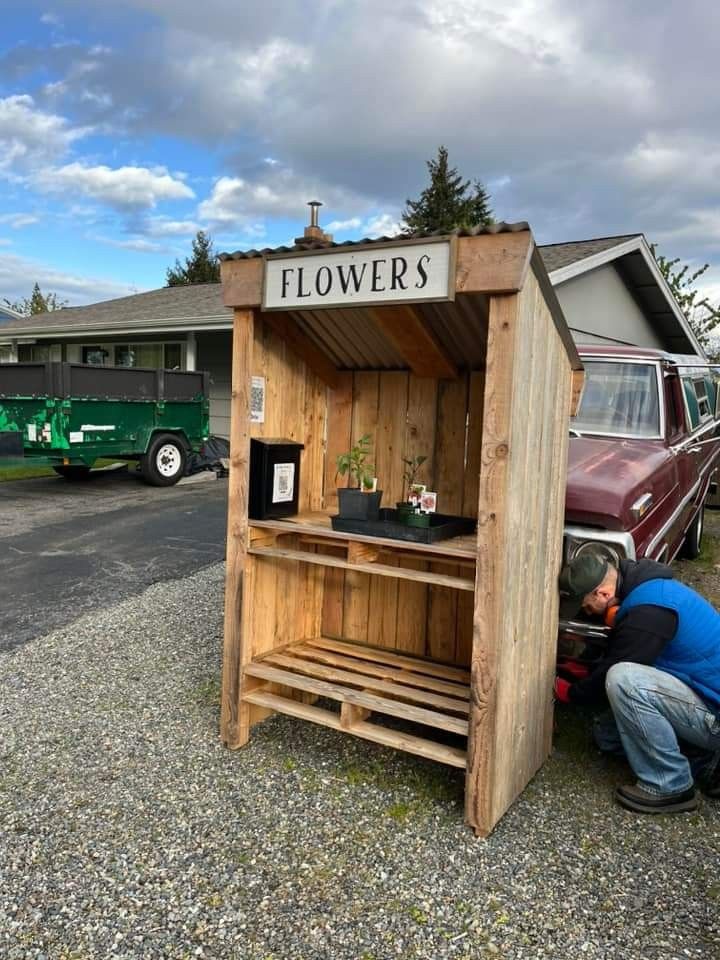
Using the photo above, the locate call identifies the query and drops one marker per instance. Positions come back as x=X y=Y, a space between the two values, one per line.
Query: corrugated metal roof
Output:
x=492 y=228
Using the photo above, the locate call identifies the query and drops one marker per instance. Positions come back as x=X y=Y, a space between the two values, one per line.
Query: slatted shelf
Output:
x=366 y=681
x=377 y=569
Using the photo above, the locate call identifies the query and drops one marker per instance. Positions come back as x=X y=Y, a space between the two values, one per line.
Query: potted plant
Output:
x=361 y=500
x=411 y=467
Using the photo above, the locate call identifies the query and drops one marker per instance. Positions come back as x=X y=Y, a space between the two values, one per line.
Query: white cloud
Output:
x=676 y=159
x=383 y=225
x=18 y=274
x=122 y=187
x=51 y=19
x=29 y=136
x=165 y=227
x=18 y=220
x=246 y=76
x=138 y=244
x=344 y=226
x=279 y=193
x=4 y=242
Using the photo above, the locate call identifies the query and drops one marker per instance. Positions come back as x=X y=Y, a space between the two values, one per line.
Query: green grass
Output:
x=32 y=473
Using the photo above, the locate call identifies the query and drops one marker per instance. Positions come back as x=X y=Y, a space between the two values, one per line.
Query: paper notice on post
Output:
x=257 y=400
x=283 y=482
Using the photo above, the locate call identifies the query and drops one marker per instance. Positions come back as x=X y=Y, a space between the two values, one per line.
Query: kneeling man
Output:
x=661 y=674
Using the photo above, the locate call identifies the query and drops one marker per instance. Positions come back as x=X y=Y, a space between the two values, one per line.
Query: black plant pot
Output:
x=353 y=504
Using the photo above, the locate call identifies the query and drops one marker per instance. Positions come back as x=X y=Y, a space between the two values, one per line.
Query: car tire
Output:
x=73 y=472
x=692 y=544
x=164 y=463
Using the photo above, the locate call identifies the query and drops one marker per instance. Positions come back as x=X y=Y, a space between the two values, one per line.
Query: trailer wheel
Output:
x=73 y=472
x=164 y=462
x=692 y=544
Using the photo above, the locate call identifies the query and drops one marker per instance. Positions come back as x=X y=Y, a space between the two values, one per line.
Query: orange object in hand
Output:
x=610 y=614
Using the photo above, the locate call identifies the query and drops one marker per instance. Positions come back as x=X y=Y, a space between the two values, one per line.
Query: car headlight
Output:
x=608 y=544
x=603 y=550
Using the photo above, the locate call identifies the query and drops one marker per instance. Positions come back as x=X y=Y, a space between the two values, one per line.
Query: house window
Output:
x=98 y=356
x=139 y=355
x=6 y=354
x=169 y=355
x=33 y=353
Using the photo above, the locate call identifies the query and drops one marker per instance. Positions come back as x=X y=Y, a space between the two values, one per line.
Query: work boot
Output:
x=636 y=798
x=708 y=779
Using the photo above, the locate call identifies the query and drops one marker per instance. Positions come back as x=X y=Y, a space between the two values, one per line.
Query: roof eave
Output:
x=634 y=244
x=169 y=325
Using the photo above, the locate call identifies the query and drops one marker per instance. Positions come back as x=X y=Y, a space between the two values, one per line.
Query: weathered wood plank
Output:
x=377 y=569
x=367 y=681
x=389 y=447
x=384 y=671
x=366 y=387
x=359 y=698
x=233 y=726
x=449 y=471
x=488 y=626
x=415 y=664
x=411 y=337
x=493 y=263
x=366 y=731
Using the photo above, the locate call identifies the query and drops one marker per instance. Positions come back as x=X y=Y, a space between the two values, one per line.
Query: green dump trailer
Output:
x=68 y=415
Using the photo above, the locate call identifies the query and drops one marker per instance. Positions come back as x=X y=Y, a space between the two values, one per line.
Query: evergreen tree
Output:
x=37 y=302
x=448 y=202
x=200 y=267
x=701 y=314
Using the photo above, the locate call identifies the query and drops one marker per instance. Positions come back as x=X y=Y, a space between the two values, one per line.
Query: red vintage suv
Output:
x=643 y=451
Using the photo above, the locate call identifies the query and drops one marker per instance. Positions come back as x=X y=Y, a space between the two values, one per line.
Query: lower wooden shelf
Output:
x=364 y=681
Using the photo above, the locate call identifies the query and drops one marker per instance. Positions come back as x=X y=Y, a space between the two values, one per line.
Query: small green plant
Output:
x=410 y=472
x=354 y=463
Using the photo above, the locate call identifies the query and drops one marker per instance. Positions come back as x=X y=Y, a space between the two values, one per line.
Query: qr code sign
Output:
x=257 y=400
x=283 y=482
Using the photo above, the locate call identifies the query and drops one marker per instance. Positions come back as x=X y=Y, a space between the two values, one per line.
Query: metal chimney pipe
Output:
x=314 y=210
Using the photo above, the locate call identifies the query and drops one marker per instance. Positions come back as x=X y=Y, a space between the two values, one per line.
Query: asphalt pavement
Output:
x=67 y=549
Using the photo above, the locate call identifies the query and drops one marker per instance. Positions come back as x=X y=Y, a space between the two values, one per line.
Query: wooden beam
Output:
x=233 y=727
x=493 y=263
x=409 y=334
x=286 y=327
x=484 y=764
x=578 y=382
x=242 y=282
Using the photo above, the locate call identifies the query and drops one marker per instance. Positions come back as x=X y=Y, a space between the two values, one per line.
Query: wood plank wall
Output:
x=407 y=416
x=521 y=506
x=287 y=594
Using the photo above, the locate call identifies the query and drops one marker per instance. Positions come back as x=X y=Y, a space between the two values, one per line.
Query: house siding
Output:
x=213 y=354
x=599 y=308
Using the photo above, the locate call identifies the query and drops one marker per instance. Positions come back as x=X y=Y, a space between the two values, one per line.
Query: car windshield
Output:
x=619 y=399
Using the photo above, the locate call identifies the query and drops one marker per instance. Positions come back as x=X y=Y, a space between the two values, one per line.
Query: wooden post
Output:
x=233 y=727
x=490 y=591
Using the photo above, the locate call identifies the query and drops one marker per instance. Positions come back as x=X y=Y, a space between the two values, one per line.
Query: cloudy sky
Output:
x=126 y=127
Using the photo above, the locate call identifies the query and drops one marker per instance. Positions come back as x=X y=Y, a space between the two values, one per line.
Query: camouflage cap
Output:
x=582 y=575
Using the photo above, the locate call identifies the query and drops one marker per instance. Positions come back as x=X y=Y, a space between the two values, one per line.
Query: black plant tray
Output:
x=441 y=527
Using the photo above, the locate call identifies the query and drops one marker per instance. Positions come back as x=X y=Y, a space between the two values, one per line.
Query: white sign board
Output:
x=372 y=274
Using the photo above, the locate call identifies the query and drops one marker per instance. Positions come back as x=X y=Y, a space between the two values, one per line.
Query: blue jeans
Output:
x=652 y=710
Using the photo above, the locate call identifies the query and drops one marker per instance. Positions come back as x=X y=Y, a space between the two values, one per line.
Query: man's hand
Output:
x=562 y=690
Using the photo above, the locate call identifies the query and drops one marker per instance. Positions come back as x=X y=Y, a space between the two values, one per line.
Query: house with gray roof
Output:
x=610 y=290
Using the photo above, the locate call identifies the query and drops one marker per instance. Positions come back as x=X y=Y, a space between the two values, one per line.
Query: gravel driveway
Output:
x=128 y=831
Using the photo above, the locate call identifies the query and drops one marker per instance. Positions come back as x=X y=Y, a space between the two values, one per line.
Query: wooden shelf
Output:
x=367 y=681
x=318 y=524
x=377 y=569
